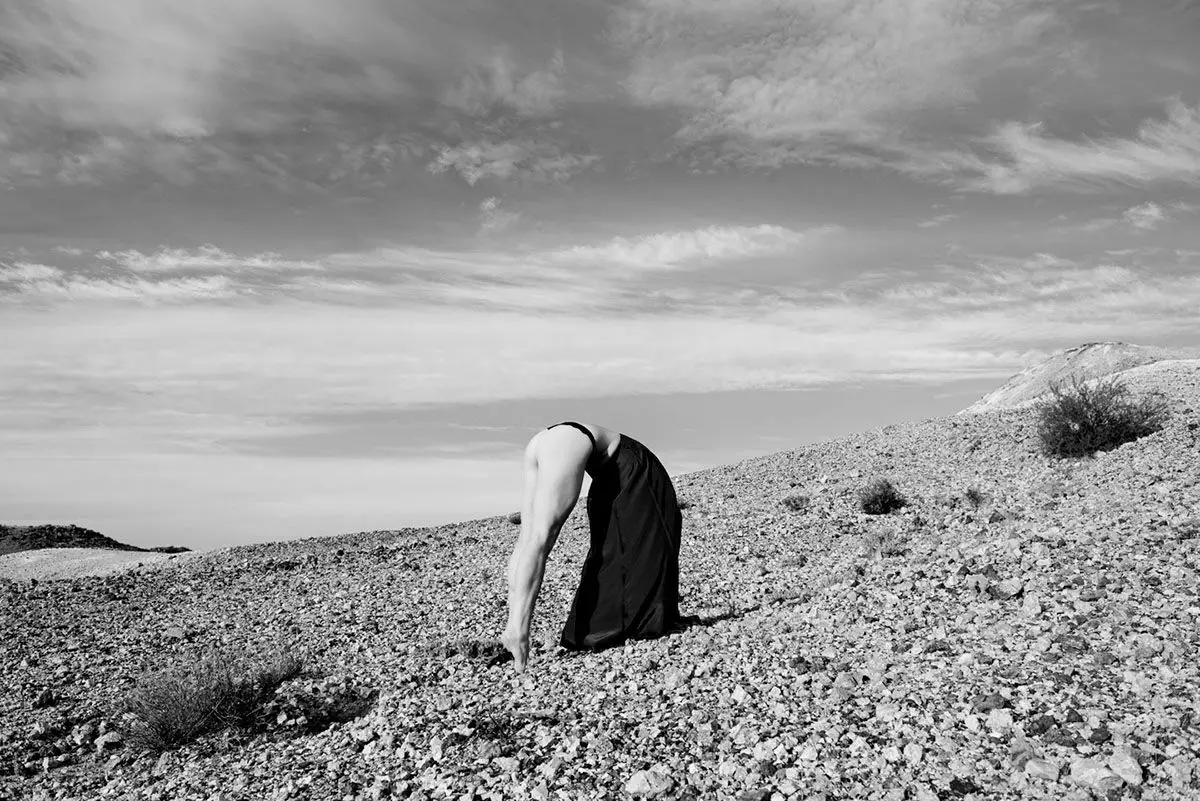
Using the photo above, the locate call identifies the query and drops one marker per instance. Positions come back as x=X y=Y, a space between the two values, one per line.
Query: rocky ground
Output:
x=64 y=563
x=1037 y=637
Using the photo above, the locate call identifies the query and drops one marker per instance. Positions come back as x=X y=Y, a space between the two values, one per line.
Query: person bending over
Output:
x=629 y=588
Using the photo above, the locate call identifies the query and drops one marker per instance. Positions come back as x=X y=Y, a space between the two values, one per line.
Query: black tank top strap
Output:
x=581 y=428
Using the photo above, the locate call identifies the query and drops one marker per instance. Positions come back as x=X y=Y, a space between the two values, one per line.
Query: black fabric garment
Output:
x=629 y=588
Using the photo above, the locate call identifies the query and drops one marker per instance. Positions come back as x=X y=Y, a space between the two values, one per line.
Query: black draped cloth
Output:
x=630 y=583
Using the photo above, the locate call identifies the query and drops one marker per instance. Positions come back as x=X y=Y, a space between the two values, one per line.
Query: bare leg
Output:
x=554 y=462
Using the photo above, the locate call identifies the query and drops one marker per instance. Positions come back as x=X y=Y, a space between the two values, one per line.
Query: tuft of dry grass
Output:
x=797 y=503
x=883 y=543
x=217 y=692
x=974 y=497
x=881 y=497
x=1081 y=420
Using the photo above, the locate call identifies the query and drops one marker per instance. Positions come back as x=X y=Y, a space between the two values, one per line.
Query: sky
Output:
x=278 y=268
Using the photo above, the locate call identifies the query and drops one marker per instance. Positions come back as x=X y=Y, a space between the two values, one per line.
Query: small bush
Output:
x=682 y=504
x=880 y=498
x=884 y=544
x=515 y=518
x=974 y=497
x=1083 y=420
x=797 y=503
x=214 y=693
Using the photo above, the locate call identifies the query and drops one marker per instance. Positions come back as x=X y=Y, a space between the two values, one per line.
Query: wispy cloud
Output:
x=495 y=219
x=704 y=245
x=614 y=273
x=1145 y=217
x=498 y=82
x=281 y=92
x=939 y=220
x=39 y=284
x=27 y=273
x=204 y=258
x=803 y=71
x=537 y=161
x=1162 y=151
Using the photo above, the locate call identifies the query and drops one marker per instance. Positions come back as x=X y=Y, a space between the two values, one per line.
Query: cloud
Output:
x=494 y=218
x=802 y=70
x=941 y=91
x=169 y=275
x=1145 y=217
x=935 y=222
x=615 y=273
x=1162 y=151
x=496 y=83
x=40 y=285
x=287 y=93
x=204 y=258
x=296 y=356
x=27 y=273
x=852 y=82
x=526 y=159
x=1148 y=216
x=704 y=245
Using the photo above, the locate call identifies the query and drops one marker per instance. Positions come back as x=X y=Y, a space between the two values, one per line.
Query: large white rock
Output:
x=1123 y=763
x=1093 y=774
x=649 y=783
x=1042 y=769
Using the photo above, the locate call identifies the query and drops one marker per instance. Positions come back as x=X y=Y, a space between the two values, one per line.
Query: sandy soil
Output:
x=62 y=563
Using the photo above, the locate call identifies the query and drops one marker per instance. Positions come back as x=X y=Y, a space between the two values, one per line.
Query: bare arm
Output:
x=554 y=464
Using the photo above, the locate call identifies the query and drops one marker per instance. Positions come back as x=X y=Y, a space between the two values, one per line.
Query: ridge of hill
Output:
x=29 y=538
x=1024 y=628
x=1085 y=362
x=14 y=539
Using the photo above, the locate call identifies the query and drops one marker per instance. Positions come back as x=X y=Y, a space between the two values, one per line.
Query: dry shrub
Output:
x=880 y=498
x=216 y=692
x=884 y=544
x=975 y=497
x=797 y=503
x=1082 y=420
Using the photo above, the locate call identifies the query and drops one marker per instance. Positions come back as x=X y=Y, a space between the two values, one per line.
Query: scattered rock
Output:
x=649 y=783
x=1123 y=763
x=1043 y=769
x=108 y=741
x=986 y=703
x=1093 y=774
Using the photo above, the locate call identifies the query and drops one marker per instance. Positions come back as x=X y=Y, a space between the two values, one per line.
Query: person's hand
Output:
x=518 y=645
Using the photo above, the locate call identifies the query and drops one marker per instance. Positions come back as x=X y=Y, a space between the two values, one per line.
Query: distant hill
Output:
x=1085 y=362
x=30 y=538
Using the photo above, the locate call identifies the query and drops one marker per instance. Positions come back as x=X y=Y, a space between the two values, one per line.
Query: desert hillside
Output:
x=1083 y=363
x=20 y=539
x=28 y=538
x=1025 y=627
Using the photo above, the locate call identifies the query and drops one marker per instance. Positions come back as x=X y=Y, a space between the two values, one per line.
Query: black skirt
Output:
x=630 y=583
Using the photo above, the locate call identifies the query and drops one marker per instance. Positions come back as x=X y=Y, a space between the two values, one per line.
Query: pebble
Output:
x=1043 y=769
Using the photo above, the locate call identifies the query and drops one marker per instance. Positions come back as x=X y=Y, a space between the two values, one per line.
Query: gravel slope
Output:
x=1044 y=644
x=59 y=563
